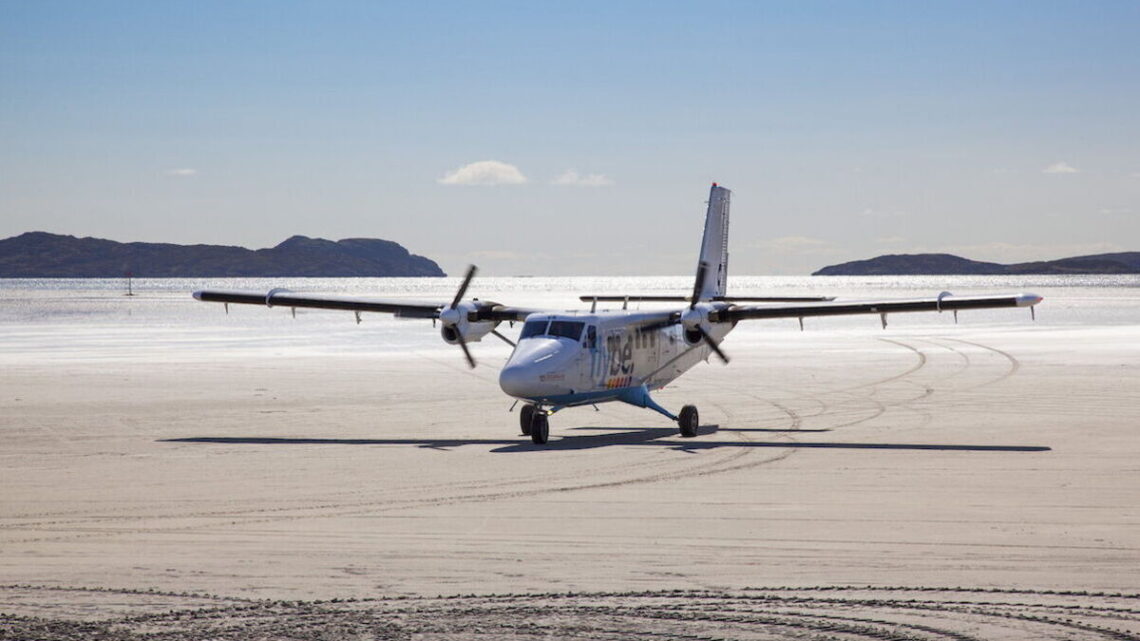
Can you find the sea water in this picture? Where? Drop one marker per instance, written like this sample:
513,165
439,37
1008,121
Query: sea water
69,319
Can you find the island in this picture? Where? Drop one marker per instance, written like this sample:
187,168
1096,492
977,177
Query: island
949,264
44,255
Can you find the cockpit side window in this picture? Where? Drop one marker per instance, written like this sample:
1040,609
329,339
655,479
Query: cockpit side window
591,337
567,329
534,328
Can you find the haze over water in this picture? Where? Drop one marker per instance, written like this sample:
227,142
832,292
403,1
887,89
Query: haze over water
94,319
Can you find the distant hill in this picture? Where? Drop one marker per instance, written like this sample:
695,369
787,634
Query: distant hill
948,264
44,255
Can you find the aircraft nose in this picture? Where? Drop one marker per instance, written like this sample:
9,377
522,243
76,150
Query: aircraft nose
517,380
536,369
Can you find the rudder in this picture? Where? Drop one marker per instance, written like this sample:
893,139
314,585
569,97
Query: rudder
714,244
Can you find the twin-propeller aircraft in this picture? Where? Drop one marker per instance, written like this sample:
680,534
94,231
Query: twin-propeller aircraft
568,359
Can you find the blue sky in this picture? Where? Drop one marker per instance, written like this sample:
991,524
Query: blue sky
998,130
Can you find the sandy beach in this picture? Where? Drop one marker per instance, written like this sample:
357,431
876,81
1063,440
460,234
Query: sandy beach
979,480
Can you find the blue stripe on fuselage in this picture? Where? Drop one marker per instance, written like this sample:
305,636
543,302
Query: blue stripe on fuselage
585,398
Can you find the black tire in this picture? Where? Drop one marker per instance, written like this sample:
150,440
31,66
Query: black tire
688,421
539,429
525,418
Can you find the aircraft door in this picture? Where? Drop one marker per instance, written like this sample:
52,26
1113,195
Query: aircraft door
591,357
607,358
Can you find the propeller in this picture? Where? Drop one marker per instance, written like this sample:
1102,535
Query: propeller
471,269
450,316
466,352
695,318
712,344
692,318
702,267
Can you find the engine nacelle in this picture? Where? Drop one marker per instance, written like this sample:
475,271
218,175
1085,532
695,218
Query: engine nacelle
692,318
455,324
472,332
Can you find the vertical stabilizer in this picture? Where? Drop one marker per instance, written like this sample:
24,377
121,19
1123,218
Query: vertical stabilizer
714,244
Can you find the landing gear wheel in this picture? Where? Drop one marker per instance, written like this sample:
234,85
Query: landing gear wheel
526,416
539,428
688,421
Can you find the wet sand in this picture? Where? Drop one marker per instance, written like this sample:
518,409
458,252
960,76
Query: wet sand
838,477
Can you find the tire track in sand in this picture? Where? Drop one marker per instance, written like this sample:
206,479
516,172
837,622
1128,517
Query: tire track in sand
509,488
915,613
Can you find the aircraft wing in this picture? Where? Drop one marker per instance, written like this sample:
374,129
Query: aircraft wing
640,298
943,302
282,298
400,308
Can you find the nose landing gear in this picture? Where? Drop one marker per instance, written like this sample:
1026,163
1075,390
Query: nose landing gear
539,428
535,423
526,415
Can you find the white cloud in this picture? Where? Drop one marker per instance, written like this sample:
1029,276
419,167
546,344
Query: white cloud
484,172
1060,168
571,177
184,172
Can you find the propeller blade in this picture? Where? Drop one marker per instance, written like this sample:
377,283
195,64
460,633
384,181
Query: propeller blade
702,267
712,344
471,269
466,352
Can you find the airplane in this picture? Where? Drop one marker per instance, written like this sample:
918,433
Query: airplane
565,359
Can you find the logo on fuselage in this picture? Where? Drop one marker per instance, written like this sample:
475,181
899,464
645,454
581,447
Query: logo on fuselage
621,346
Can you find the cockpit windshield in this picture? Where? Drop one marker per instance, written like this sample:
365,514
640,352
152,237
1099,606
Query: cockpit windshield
558,328
568,329
534,328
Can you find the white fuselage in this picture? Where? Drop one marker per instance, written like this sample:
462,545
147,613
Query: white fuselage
577,359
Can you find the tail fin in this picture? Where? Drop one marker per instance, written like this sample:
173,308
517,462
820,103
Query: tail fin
714,245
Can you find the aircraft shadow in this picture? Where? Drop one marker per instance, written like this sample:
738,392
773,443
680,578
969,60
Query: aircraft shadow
717,428
657,437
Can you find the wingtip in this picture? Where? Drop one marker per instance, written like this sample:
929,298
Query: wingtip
1028,300
197,295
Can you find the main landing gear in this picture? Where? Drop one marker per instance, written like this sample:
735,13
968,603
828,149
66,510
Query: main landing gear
535,421
688,421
